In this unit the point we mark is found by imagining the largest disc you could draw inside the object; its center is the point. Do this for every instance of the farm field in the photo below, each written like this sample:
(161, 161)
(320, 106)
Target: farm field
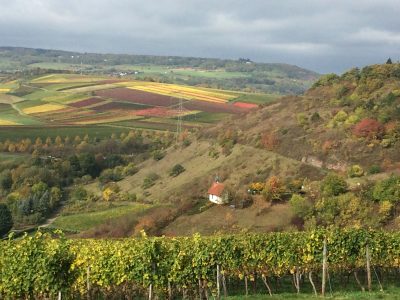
(69, 100)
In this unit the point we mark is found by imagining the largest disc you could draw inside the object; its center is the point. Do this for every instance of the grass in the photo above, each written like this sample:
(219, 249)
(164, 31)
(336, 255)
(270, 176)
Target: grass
(7, 157)
(85, 221)
(391, 293)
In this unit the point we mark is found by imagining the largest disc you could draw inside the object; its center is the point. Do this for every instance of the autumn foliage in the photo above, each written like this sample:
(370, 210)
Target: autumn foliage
(269, 140)
(369, 128)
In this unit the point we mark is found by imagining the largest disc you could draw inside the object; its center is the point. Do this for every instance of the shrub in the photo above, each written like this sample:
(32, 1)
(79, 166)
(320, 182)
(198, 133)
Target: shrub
(79, 193)
(273, 189)
(300, 206)
(333, 185)
(150, 180)
(315, 117)
(368, 128)
(158, 154)
(176, 170)
(387, 190)
(302, 119)
(130, 169)
(6, 221)
(374, 169)
(355, 171)
(269, 140)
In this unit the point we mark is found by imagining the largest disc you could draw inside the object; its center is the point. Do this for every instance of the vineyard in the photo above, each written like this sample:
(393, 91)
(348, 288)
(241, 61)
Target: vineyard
(197, 267)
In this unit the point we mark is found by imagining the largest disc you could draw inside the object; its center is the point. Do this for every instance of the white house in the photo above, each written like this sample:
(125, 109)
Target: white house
(215, 193)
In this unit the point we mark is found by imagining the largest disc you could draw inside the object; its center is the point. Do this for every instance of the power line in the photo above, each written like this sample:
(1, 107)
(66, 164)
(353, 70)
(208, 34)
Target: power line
(179, 120)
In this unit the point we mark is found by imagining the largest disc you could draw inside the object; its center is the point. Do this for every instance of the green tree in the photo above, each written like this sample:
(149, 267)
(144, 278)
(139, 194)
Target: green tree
(389, 61)
(333, 185)
(6, 221)
(6, 180)
(300, 206)
(387, 190)
(88, 164)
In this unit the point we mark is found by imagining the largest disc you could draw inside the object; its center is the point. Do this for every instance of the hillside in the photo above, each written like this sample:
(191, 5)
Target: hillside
(346, 124)
(242, 74)
(326, 158)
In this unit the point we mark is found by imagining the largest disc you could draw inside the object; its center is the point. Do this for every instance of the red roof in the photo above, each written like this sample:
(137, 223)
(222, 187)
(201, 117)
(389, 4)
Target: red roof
(216, 189)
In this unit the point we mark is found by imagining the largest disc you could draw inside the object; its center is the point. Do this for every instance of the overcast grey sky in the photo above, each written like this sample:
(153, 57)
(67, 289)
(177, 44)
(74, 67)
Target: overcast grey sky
(322, 35)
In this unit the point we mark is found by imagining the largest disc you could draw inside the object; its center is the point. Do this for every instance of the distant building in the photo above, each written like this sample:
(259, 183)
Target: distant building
(215, 193)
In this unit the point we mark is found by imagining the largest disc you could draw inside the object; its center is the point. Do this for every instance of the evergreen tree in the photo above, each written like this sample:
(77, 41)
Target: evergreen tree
(389, 61)
(6, 221)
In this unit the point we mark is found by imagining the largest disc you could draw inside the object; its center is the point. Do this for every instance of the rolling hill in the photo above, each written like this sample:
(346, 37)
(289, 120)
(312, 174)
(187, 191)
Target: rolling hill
(242, 74)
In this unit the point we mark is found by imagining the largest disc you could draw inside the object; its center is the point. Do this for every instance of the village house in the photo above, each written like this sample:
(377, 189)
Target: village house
(215, 193)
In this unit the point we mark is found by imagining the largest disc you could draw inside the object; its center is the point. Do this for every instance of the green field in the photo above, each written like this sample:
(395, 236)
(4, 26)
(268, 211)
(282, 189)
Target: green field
(85, 221)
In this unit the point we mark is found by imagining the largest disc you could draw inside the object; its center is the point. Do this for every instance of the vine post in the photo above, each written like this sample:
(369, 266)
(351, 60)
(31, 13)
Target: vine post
(218, 281)
(324, 268)
(88, 281)
(368, 257)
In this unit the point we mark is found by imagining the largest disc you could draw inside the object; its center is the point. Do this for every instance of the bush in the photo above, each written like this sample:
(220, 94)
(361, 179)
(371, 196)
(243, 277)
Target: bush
(374, 169)
(79, 193)
(176, 170)
(158, 155)
(300, 206)
(368, 128)
(150, 180)
(355, 171)
(130, 169)
(6, 221)
(273, 189)
(387, 190)
(333, 185)
(315, 117)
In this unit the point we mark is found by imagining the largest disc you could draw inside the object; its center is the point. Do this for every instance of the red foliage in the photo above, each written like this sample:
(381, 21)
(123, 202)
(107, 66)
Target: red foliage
(369, 128)
(269, 140)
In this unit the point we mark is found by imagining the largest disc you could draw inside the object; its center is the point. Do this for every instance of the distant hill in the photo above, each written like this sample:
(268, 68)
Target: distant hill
(241, 74)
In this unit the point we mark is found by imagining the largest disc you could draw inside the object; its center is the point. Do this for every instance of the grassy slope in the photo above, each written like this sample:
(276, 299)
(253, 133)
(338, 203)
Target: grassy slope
(87, 220)
(245, 161)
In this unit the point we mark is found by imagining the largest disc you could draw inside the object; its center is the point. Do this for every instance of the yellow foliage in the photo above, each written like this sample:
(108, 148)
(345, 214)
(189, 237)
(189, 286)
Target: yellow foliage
(43, 108)
(4, 90)
(108, 194)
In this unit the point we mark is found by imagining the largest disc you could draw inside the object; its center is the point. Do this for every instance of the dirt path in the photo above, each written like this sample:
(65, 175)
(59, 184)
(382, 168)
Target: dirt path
(20, 112)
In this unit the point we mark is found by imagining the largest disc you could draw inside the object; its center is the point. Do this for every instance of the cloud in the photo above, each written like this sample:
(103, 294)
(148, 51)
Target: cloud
(322, 35)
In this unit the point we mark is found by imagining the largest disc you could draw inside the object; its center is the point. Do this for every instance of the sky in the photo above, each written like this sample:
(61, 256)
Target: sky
(322, 35)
